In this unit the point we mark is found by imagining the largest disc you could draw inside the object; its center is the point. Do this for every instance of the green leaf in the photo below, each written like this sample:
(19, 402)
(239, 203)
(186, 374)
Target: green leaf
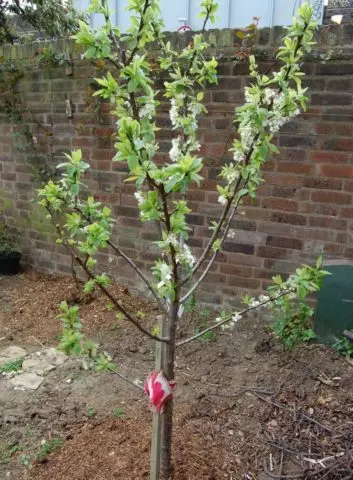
(132, 161)
(240, 34)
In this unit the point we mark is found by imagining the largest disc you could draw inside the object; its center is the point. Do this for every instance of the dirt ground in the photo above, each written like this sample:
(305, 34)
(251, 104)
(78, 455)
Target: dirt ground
(245, 408)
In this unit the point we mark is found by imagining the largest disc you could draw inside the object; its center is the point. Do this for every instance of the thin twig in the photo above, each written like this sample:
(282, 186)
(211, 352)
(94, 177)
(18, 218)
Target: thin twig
(229, 318)
(209, 266)
(283, 477)
(288, 409)
(112, 370)
(141, 25)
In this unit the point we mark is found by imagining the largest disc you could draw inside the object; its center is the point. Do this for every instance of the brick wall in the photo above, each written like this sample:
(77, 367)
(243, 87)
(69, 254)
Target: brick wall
(304, 209)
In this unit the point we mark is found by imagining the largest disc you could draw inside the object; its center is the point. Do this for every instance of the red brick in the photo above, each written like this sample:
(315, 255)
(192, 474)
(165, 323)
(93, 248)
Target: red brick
(82, 142)
(329, 157)
(342, 237)
(336, 170)
(284, 242)
(293, 167)
(238, 248)
(340, 144)
(323, 183)
(331, 99)
(329, 223)
(333, 249)
(280, 266)
(257, 214)
(218, 149)
(288, 218)
(275, 228)
(102, 154)
(334, 129)
(241, 259)
(236, 270)
(282, 179)
(319, 209)
(348, 252)
(271, 252)
(243, 282)
(347, 212)
(339, 198)
(278, 203)
(285, 192)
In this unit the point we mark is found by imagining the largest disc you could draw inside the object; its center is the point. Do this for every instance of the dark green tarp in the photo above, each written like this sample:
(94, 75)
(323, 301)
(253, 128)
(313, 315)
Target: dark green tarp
(334, 311)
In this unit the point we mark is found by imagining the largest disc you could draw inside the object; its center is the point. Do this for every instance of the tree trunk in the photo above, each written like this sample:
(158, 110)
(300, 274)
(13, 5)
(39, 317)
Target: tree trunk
(166, 470)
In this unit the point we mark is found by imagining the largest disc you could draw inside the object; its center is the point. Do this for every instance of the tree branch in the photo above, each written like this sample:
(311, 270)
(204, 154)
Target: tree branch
(117, 304)
(142, 23)
(229, 318)
(227, 207)
(91, 275)
(132, 264)
(112, 370)
(213, 258)
(223, 218)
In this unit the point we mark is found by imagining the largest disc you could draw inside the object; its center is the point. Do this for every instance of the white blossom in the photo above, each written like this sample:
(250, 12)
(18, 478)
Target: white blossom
(247, 134)
(222, 200)
(239, 155)
(174, 113)
(139, 197)
(254, 303)
(165, 273)
(172, 239)
(264, 298)
(175, 151)
(236, 317)
(185, 257)
(231, 234)
(148, 110)
(269, 95)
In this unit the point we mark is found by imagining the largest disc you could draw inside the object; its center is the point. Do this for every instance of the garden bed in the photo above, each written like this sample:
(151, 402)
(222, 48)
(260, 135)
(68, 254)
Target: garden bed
(245, 409)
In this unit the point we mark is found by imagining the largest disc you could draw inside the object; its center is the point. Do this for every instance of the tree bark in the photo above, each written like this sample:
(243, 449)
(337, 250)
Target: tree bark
(166, 470)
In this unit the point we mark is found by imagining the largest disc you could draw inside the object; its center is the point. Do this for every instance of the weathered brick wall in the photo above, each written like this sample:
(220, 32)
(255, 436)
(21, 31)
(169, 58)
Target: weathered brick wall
(304, 209)
(345, 11)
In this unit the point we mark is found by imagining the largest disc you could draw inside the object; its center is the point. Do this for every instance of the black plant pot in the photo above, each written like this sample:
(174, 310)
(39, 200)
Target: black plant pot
(10, 263)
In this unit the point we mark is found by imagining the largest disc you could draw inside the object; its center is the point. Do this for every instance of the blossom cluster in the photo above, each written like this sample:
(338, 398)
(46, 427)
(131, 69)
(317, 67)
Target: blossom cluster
(228, 324)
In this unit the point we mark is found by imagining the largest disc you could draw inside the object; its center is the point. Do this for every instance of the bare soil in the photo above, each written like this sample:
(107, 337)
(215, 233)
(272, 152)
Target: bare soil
(245, 408)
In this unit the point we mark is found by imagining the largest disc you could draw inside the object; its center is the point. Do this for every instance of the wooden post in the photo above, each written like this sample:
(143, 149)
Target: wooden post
(156, 422)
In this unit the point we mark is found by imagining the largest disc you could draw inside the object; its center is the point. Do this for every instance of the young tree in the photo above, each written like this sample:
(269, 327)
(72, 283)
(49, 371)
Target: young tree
(162, 190)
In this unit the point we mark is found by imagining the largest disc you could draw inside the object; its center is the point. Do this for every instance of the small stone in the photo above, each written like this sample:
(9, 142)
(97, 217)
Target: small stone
(12, 353)
(85, 365)
(55, 357)
(27, 381)
(69, 380)
(200, 396)
(37, 365)
(248, 356)
(231, 432)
